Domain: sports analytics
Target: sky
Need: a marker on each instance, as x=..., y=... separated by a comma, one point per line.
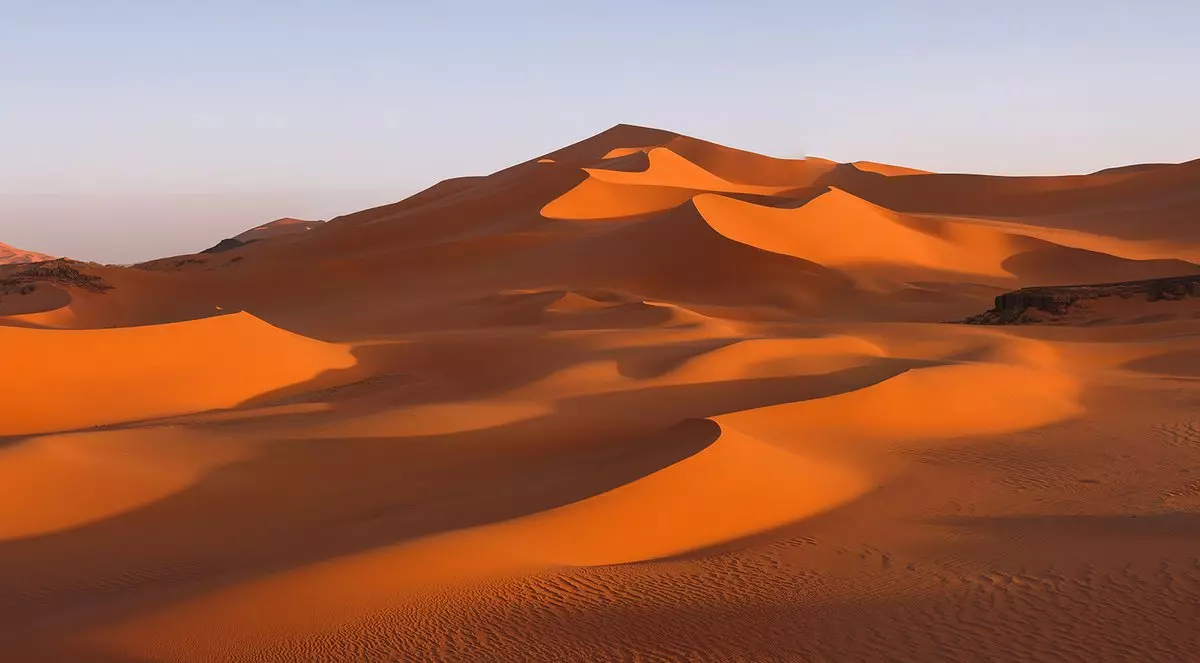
x=134, y=129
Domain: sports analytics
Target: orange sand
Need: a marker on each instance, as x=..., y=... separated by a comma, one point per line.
x=76, y=379
x=13, y=256
x=642, y=398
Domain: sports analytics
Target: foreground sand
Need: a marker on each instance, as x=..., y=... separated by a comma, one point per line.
x=744, y=439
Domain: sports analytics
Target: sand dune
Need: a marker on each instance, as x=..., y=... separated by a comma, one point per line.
x=277, y=228
x=667, y=168
x=1160, y=198
x=645, y=397
x=56, y=482
x=596, y=198
x=76, y=379
x=864, y=235
x=885, y=169
x=13, y=256
x=734, y=486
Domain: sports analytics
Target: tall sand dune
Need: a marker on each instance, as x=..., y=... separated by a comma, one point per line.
x=13, y=256
x=645, y=397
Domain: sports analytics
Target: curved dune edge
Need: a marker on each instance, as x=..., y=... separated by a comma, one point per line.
x=594, y=199
x=1025, y=388
x=838, y=229
x=668, y=181
x=767, y=467
x=1128, y=249
x=435, y=419
x=667, y=168
x=743, y=167
x=74, y=379
x=735, y=360
x=887, y=169
x=775, y=357
x=58, y=482
x=43, y=300
x=57, y=317
x=617, y=153
x=734, y=487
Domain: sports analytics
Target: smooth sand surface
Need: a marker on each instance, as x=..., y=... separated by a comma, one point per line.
x=644, y=398
x=79, y=378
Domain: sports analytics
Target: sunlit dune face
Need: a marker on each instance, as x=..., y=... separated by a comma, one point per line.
x=838, y=229
x=58, y=482
x=666, y=168
x=595, y=199
x=74, y=379
x=735, y=487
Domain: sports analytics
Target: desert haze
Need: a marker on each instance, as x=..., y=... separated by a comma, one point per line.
x=644, y=398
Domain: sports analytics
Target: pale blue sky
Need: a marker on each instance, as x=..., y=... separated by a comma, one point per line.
x=131, y=129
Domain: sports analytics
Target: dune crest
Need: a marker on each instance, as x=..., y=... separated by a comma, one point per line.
x=735, y=487
x=13, y=256
x=667, y=168
x=74, y=379
x=839, y=229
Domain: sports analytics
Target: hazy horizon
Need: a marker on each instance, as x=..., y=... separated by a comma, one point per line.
x=313, y=110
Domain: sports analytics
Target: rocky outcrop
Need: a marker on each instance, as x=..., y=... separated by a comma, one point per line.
x=225, y=245
x=1036, y=304
x=60, y=272
x=278, y=228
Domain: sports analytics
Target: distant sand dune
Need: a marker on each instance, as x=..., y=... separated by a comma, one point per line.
x=13, y=256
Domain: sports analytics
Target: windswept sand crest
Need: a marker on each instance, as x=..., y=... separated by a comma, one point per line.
x=666, y=168
x=595, y=199
x=75, y=379
x=888, y=170
x=10, y=255
x=838, y=229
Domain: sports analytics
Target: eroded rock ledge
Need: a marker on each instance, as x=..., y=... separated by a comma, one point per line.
x=1043, y=303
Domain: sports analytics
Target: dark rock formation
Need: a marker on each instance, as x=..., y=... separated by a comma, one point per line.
x=226, y=245
x=1034, y=304
x=61, y=272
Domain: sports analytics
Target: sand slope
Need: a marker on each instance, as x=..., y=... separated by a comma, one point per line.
x=76, y=379
x=13, y=256
x=277, y=228
x=645, y=397
x=56, y=482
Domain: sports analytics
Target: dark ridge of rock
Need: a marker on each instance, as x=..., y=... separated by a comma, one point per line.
x=227, y=245
x=1030, y=305
x=62, y=272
